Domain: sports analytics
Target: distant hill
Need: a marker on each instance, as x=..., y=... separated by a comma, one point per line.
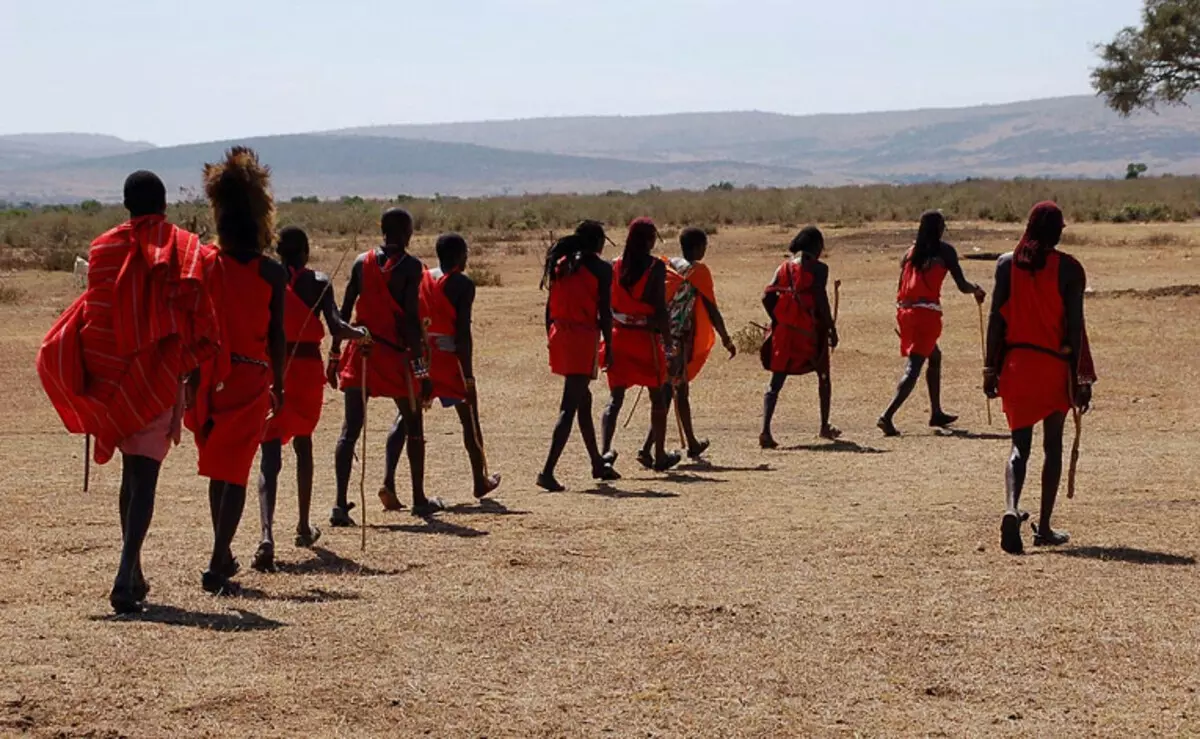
x=1069, y=136
x=330, y=166
x=48, y=149
x=1059, y=137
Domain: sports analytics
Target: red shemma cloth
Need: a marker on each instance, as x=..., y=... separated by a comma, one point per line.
x=638, y=355
x=304, y=383
x=920, y=326
x=388, y=371
x=440, y=323
x=111, y=364
x=233, y=397
x=794, y=345
x=1034, y=382
x=574, y=339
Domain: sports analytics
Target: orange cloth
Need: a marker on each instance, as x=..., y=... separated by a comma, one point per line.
x=797, y=343
x=233, y=398
x=574, y=338
x=1034, y=382
x=918, y=307
x=638, y=355
x=304, y=383
x=441, y=318
x=703, y=336
x=111, y=364
x=388, y=372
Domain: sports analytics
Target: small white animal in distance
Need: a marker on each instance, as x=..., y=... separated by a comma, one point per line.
x=81, y=272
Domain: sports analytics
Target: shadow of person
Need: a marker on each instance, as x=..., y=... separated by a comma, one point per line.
x=237, y=620
x=973, y=435
x=433, y=525
x=687, y=479
x=1128, y=555
x=703, y=465
x=312, y=595
x=484, y=507
x=842, y=446
x=608, y=491
x=325, y=562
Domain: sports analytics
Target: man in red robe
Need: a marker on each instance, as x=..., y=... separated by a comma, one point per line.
x=802, y=330
x=447, y=298
x=383, y=295
x=308, y=300
x=237, y=390
x=1038, y=362
x=919, y=315
x=113, y=361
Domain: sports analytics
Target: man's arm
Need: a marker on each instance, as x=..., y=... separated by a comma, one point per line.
x=348, y=300
x=462, y=296
x=410, y=327
x=656, y=297
x=950, y=258
x=339, y=329
x=1072, y=284
x=603, y=273
x=276, y=276
x=996, y=329
x=770, y=298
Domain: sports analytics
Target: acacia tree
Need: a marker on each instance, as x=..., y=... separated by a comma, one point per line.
x=1156, y=63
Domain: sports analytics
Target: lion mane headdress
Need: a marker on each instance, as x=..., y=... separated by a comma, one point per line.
x=239, y=191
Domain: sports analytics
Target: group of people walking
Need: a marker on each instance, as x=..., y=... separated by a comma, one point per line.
x=226, y=341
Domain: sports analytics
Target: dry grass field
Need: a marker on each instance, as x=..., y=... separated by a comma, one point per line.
x=848, y=589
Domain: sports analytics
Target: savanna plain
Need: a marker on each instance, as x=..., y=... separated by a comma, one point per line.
x=853, y=588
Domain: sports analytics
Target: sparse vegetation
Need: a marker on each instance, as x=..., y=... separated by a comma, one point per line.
x=10, y=295
x=483, y=274
x=748, y=339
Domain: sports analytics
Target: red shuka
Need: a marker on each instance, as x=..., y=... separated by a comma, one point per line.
x=112, y=363
x=304, y=383
x=638, y=355
x=797, y=344
x=574, y=339
x=233, y=398
x=919, y=307
x=1035, y=378
x=388, y=371
x=441, y=319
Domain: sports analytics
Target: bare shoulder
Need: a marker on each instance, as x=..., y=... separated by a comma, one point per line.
x=272, y=271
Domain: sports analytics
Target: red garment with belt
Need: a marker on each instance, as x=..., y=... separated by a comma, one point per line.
x=233, y=398
x=441, y=319
x=304, y=383
x=918, y=309
x=111, y=364
x=1035, y=382
x=638, y=355
x=574, y=339
x=797, y=344
x=388, y=372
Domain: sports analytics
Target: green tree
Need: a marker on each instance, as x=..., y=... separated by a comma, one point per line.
x=1135, y=170
x=1156, y=63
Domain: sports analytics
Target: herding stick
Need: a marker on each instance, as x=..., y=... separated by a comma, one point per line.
x=983, y=357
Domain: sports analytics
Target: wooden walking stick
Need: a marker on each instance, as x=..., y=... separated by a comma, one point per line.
x=362, y=473
x=983, y=357
x=1077, y=417
x=87, y=461
x=837, y=299
x=474, y=413
x=637, y=399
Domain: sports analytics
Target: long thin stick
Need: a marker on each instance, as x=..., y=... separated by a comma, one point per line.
x=87, y=461
x=983, y=357
x=474, y=413
x=1077, y=417
x=636, y=400
x=362, y=474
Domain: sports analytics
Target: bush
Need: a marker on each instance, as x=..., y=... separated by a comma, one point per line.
x=10, y=295
x=483, y=274
x=748, y=339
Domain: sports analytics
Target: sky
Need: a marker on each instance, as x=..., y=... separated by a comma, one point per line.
x=182, y=71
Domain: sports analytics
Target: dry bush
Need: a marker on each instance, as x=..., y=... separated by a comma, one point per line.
x=10, y=295
x=748, y=339
x=483, y=274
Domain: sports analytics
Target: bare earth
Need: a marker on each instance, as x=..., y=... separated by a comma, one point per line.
x=820, y=590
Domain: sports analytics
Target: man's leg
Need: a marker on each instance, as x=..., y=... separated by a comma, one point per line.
x=343, y=457
x=683, y=400
x=602, y=469
x=472, y=439
x=392, y=451
x=770, y=399
x=645, y=455
x=825, y=397
x=912, y=373
x=1052, y=443
x=608, y=422
x=222, y=565
x=562, y=431
x=139, y=481
x=306, y=535
x=268, y=486
x=414, y=424
x=1014, y=483
x=659, y=397
x=933, y=378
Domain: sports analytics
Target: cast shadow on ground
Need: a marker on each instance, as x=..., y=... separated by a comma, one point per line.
x=703, y=465
x=312, y=595
x=325, y=562
x=843, y=446
x=1128, y=555
x=685, y=478
x=608, y=491
x=485, y=507
x=239, y=620
x=973, y=435
x=432, y=525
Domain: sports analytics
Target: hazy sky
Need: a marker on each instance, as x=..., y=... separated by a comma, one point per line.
x=173, y=71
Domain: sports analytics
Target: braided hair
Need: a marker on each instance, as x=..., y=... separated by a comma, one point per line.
x=929, y=239
x=588, y=238
x=635, y=260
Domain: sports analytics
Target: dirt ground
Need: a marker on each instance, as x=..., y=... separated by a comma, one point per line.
x=823, y=589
